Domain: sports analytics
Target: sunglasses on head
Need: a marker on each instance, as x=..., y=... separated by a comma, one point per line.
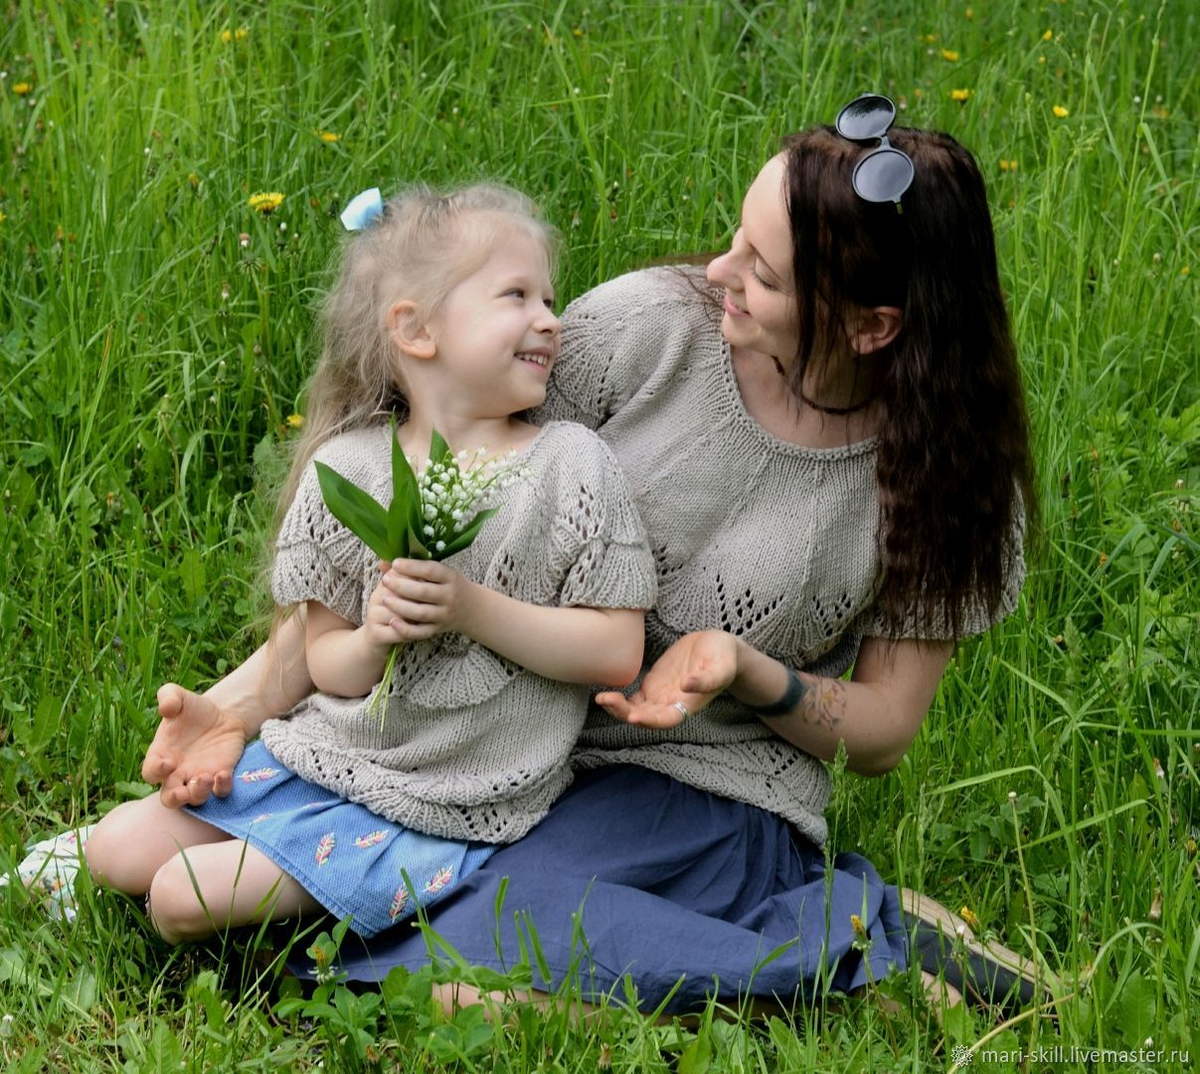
x=885, y=172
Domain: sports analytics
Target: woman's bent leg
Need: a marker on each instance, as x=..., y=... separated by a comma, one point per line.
x=215, y=886
x=128, y=846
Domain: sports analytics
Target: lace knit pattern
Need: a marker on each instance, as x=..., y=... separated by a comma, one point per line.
x=751, y=534
x=473, y=745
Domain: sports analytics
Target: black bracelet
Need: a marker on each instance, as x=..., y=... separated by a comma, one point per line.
x=791, y=696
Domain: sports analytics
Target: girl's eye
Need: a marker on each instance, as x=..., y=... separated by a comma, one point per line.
x=549, y=304
x=519, y=292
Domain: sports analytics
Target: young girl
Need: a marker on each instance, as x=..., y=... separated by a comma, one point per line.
x=442, y=314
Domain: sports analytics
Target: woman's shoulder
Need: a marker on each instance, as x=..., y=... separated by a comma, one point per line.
x=633, y=293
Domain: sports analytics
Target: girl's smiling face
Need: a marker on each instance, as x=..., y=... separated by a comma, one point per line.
x=760, y=303
x=496, y=333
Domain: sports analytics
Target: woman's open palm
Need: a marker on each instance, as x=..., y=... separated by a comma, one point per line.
x=691, y=672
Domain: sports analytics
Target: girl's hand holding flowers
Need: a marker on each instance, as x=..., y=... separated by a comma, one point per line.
x=690, y=673
x=418, y=599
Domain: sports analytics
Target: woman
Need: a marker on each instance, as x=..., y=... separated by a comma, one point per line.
x=829, y=446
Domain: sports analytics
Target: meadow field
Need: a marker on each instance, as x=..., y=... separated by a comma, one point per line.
x=154, y=343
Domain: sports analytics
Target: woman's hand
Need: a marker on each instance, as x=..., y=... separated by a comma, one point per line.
x=422, y=598
x=691, y=672
x=194, y=750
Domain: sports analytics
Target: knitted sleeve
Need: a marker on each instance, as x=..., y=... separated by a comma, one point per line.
x=973, y=617
x=614, y=338
x=597, y=530
x=316, y=557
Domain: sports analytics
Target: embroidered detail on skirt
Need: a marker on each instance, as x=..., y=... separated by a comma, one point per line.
x=352, y=861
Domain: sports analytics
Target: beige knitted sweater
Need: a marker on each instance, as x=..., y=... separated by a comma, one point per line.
x=750, y=534
x=473, y=746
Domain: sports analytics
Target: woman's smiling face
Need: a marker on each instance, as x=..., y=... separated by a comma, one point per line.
x=760, y=302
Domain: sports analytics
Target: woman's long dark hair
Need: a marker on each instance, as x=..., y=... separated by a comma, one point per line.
x=954, y=437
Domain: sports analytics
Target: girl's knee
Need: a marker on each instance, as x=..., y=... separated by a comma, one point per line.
x=177, y=907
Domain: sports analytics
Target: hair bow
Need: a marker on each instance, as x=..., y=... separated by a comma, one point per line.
x=364, y=209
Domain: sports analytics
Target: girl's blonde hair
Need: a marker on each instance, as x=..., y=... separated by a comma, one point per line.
x=420, y=248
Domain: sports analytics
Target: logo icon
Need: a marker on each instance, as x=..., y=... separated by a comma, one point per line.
x=961, y=1055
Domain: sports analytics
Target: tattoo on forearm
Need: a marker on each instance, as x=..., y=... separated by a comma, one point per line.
x=824, y=701
x=814, y=699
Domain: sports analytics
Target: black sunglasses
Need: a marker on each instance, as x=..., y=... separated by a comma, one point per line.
x=885, y=172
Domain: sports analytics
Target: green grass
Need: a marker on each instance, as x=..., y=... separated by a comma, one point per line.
x=149, y=357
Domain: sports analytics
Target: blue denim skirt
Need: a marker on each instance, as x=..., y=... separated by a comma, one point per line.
x=636, y=877
x=353, y=862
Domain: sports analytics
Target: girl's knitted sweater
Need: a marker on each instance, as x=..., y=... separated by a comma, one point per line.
x=473, y=746
x=750, y=534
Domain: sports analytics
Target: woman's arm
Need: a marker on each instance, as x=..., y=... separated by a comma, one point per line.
x=200, y=737
x=877, y=714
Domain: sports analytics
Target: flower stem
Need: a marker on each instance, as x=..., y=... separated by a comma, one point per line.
x=379, y=701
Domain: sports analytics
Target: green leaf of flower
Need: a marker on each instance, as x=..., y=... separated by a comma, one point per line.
x=356, y=510
x=438, y=449
x=403, y=492
x=468, y=535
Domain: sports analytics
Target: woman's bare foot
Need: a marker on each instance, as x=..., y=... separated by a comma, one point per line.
x=194, y=749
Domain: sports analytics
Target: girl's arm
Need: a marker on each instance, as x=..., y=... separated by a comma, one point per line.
x=583, y=645
x=877, y=714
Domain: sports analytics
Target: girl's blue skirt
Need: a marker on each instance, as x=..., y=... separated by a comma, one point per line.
x=352, y=861
x=634, y=875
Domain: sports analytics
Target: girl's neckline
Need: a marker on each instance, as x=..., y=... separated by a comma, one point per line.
x=770, y=439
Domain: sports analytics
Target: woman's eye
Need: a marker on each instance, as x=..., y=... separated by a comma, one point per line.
x=768, y=286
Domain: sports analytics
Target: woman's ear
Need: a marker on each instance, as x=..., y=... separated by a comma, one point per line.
x=407, y=331
x=876, y=327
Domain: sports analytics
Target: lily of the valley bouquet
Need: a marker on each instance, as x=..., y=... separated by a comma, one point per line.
x=433, y=514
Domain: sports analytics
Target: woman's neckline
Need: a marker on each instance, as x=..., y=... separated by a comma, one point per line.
x=779, y=443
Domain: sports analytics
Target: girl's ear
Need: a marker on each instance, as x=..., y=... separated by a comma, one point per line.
x=407, y=332
x=875, y=328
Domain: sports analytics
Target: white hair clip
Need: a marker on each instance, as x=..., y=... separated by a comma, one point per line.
x=364, y=209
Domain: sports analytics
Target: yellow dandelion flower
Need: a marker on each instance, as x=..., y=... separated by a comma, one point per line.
x=1041, y=59
x=959, y=94
x=1048, y=35
x=950, y=54
x=1186, y=270
x=22, y=88
x=856, y=923
x=295, y=421
x=266, y=202
x=930, y=38
x=1061, y=112
x=969, y=13
x=968, y=915
x=241, y=33
x=577, y=32
x=329, y=136
x=226, y=36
